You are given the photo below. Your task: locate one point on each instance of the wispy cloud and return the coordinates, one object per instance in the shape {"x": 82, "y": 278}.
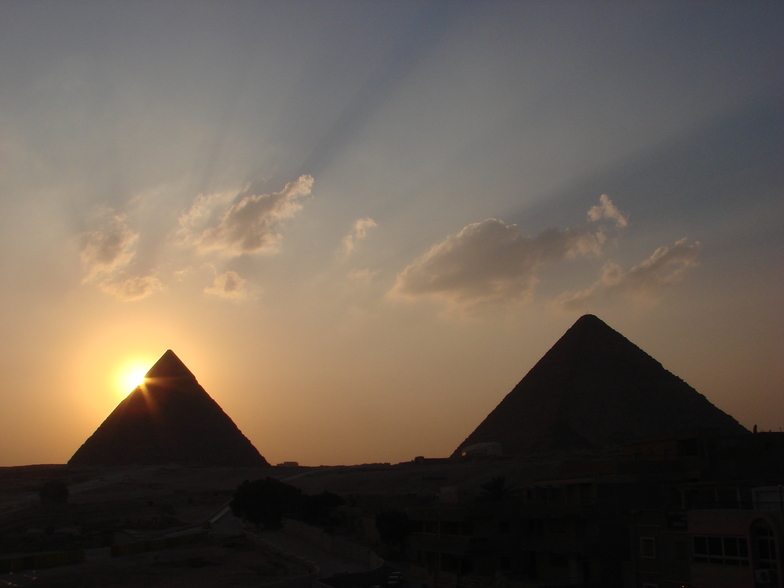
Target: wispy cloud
{"x": 230, "y": 224}
{"x": 108, "y": 248}
{"x": 234, "y": 224}
{"x": 362, "y": 276}
{"x": 492, "y": 262}
{"x": 106, "y": 254}
{"x": 358, "y": 233}
{"x": 643, "y": 283}
{"x": 606, "y": 209}
{"x": 131, "y": 288}
{"x": 229, "y": 285}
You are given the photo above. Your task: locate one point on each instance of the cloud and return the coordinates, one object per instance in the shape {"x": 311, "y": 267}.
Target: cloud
{"x": 358, "y": 233}
{"x": 643, "y": 283}
{"x": 491, "y": 262}
{"x": 106, "y": 254}
{"x": 131, "y": 288}
{"x": 107, "y": 249}
{"x": 229, "y": 285}
{"x": 236, "y": 224}
{"x": 230, "y": 224}
{"x": 362, "y": 276}
{"x": 606, "y": 209}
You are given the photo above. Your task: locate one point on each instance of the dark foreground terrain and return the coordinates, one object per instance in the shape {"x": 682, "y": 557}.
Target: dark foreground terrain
{"x": 696, "y": 506}
{"x": 171, "y": 526}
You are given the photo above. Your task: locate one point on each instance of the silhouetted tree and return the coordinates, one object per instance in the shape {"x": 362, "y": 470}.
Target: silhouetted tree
{"x": 496, "y": 490}
{"x": 54, "y": 492}
{"x": 316, "y": 510}
{"x": 265, "y": 502}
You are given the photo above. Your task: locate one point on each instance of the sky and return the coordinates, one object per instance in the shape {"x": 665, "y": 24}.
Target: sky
{"x": 360, "y": 224}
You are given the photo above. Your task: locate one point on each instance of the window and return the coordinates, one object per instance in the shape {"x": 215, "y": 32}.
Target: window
{"x": 730, "y": 551}
{"x": 648, "y": 547}
{"x": 766, "y": 545}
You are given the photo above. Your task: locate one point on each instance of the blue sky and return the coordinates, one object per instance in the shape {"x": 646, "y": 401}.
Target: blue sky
{"x": 361, "y": 223}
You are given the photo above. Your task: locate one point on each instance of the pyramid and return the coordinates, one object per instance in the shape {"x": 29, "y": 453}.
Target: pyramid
{"x": 593, "y": 390}
{"x": 170, "y": 419}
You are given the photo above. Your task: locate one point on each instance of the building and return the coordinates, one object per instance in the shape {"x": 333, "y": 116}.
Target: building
{"x": 693, "y": 510}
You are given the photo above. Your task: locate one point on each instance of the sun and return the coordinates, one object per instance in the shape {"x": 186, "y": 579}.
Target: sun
{"x": 130, "y": 375}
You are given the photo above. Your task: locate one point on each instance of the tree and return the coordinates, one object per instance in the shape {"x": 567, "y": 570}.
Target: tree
{"x": 496, "y": 490}
{"x": 316, "y": 510}
{"x": 265, "y": 502}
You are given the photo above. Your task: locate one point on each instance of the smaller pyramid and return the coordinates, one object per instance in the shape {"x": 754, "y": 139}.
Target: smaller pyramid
{"x": 170, "y": 419}
{"x": 593, "y": 390}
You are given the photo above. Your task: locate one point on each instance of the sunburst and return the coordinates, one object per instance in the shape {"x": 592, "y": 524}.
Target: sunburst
{"x": 130, "y": 376}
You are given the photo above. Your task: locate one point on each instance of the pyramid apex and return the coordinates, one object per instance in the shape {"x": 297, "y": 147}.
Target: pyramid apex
{"x": 587, "y": 319}
{"x": 591, "y": 326}
{"x": 168, "y": 366}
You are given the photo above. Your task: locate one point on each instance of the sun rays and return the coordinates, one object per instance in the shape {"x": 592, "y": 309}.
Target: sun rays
{"x": 131, "y": 375}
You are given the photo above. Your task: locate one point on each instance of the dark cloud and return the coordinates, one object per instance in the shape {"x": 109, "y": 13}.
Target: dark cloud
{"x": 491, "y": 262}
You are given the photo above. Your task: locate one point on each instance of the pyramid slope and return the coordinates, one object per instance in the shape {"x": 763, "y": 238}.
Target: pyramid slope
{"x": 169, "y": 419}
{"x": 592, "y": 390}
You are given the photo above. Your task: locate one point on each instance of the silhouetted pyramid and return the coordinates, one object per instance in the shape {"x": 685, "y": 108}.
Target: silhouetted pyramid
{"x": 592, "y": 390}
{"x": 168, "y": 419}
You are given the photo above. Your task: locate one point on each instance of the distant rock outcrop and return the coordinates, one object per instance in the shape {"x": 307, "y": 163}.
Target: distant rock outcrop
{"x": 593, "y": 390}
{"x": 168, "y": 419}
